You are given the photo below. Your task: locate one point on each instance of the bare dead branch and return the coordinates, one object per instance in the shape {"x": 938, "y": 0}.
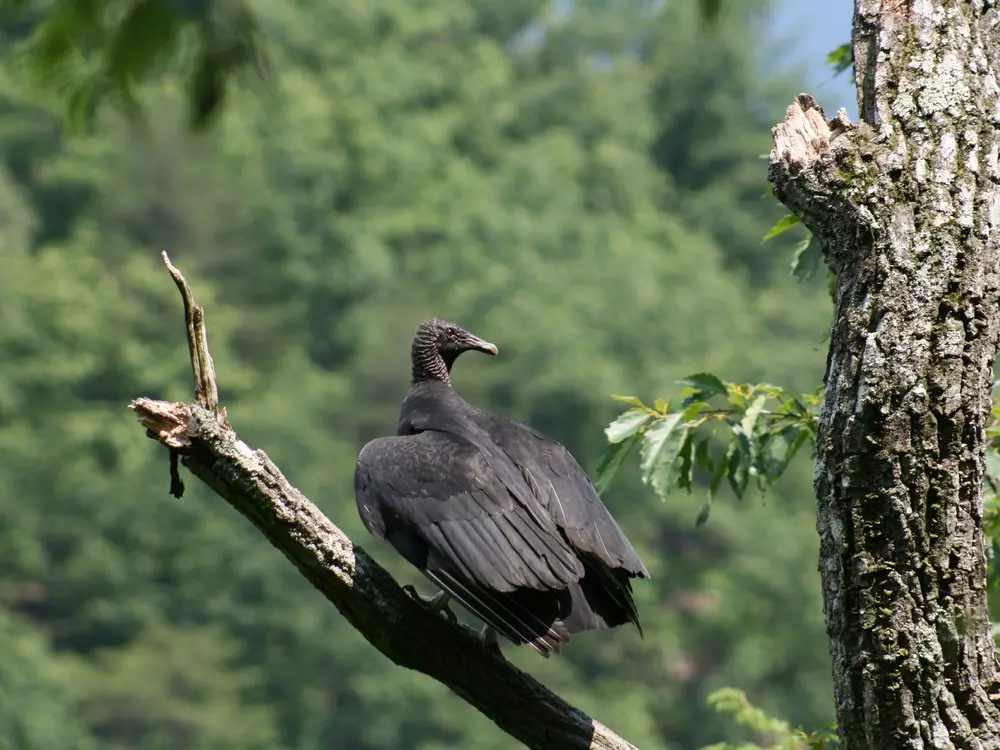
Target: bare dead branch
{"x": 369, "y": 598}
{"x": 203, "y": 368}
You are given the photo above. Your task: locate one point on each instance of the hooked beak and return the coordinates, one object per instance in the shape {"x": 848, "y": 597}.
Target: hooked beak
{"x": 481, "y": 345}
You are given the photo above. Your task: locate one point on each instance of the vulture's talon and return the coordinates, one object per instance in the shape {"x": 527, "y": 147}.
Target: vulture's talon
{"x": 411, "y": 592}
{"x": 437, "y": 603}
{"x": 488, "y": 637}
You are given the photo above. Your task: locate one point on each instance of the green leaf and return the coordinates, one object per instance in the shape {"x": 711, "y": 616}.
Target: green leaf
{"x": 626, "y": 425}
{"x": 737, "y": 468}
{"x": 149, "y": 30}
{"x": 749, "y": 422}
{"x": 807, "y": 259}
{"x": 661, "y": 452}
{"x": 704, "y": 384}
{"x": 702, "y": 456}
{"x": 706, "y": 509}
{"x": 612, "y": 461}
{"x": 685, "y": 475}
{"x": 749, "y": 443}
{"x": 805, "y": 435}
{"x": 630, "y": 400}
{"x": 693, "y": 410}
{"x": 780, "y": 447}
{"x": 784, "y": 224}
{"x": 737, "y": 397}
{"x": 840, "y": 59}
{"x": 717, "y": 475}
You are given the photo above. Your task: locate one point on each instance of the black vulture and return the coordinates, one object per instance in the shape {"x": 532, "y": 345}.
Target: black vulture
{"x": 500, "y": 517}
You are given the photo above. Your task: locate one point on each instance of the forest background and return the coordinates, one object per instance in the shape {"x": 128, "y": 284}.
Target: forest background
{"x": 584, "y": 189}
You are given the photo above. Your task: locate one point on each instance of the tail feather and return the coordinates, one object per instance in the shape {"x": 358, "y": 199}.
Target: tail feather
{"x": 545, "y": 619}
{"x": 609, "y": 591}
{"x": 504, "y": 613}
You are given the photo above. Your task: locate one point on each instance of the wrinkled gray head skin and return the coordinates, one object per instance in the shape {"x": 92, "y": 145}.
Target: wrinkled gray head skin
{"x": 437, "y": 345}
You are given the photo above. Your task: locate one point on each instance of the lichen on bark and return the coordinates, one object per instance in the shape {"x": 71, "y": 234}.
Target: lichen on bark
{"x": 905, "y": 207}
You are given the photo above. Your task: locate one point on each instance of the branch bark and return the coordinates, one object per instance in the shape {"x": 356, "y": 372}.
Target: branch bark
{"x": 905, "y": 207}
{"x": 366, "y": 594}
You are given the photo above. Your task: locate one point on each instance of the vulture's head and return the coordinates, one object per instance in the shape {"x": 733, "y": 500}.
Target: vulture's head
{"x": 437, "y": 345}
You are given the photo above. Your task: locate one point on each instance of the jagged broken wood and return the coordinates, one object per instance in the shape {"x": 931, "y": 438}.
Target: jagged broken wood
{"x": 402, "y": 629}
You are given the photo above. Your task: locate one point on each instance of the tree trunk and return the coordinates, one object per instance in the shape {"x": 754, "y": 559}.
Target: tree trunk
{"x": 904, "y": 205}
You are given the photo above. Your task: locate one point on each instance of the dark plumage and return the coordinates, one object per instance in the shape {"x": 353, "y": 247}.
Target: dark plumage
{"x": 499, "y": 516}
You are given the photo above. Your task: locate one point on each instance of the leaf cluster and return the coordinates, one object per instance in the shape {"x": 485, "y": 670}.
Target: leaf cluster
{"x": 716, "y": 430}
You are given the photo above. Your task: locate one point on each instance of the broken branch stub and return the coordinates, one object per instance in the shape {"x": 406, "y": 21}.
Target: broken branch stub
{"x": 202, "y": 366}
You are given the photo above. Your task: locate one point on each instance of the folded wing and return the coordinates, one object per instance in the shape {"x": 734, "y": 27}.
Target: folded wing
{"x": 468, "y": 520}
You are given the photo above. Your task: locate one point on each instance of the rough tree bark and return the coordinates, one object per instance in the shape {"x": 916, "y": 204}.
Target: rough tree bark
{"x": 409, "y": 634}
{"x": 905, "y": 205}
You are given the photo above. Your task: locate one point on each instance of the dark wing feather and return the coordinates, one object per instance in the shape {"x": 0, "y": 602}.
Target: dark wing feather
{"x": 436, "y": 499}
{"x": 442, "y": 492}
{"x": 508, "y": 613}
{"x": 568, "y": 493}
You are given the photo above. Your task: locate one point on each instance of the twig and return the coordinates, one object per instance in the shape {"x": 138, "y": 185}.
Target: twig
{"x": 366, "y": 595}
{"x": 203, "y": 368}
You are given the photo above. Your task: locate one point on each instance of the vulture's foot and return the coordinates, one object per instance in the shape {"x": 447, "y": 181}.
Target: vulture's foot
{"x": 437, "y": 603}
{"x": 488, "y": 637}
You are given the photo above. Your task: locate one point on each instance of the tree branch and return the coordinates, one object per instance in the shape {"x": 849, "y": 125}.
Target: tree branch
{"x": 402, "y": 629}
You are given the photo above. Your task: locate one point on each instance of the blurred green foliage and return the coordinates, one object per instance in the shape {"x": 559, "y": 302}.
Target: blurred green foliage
{"x": 771, "y": 733}
{"x": 583, "y": 189}
{"x": 86, "y": 51}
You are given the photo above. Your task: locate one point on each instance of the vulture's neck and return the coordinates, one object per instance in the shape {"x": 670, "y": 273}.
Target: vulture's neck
{"x": 428, "y": 364}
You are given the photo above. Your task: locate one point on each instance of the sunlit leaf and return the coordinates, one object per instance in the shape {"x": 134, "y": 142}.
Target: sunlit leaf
{"x": 784, "y": 224}
{"x": 630, "y": 400}
{"x": 626, "y": 425}
{"x": 737, "y": 396}
{"x": 693, "y": 410}
{"x": 661, "y": 453}
{"x": 752, "y": 414}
